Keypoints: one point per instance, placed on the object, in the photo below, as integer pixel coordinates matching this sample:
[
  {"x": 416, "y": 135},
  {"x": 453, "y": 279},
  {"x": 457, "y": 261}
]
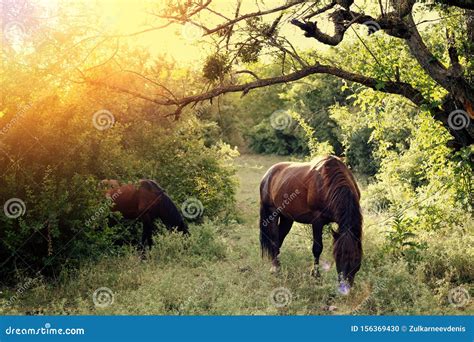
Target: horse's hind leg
[
  {"x": 284, "y": 227},
  {"x": 146, "y": 234},
  {"x": 317, "y": 246}
]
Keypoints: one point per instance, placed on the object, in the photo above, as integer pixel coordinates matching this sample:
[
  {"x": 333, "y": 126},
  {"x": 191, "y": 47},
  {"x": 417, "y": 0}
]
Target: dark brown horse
[
  {"x": 315, "y": 193},
  {"x": 145, "y": 202}
]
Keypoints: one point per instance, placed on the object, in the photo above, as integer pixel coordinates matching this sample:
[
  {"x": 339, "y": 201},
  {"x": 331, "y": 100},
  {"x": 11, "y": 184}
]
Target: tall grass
[{"x": 218, "y": 270}]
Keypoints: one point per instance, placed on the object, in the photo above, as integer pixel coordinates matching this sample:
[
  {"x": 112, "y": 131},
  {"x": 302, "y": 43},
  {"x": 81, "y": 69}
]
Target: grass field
[{"x": 219, "y": 271}]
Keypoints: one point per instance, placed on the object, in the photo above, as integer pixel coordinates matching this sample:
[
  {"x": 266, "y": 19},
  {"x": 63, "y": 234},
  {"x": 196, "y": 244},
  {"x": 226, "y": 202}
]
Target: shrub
[
  {"x": 263, "y": 138},
  {"x": 53, "y": 161}
]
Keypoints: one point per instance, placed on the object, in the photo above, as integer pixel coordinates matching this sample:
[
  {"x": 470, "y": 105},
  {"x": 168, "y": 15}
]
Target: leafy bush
[
  {"x": 402, "y": 239},
  {"x": 187, "y": 168},
  {"x": 360, "y": 152},
  {"x": 263, "y": 138},
  {"x": 50, "y": 164},
  {"x": 54, "y": 159}
]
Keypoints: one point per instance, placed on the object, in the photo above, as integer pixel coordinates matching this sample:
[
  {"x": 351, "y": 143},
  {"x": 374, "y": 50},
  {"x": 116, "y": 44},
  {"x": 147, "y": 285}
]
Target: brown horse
[
  {"x": 315, "y": 193},
  {"x": 145, "y": 202}
]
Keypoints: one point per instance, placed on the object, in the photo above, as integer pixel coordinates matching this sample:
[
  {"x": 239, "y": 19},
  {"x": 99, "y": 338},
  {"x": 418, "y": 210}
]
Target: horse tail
[{"x": 266, "y": 242}]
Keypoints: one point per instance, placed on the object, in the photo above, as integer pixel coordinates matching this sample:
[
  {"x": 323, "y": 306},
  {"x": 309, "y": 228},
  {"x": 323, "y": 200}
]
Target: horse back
[
  {"x": 286, "y": 188},
  {"x": 301, "y": 191}
]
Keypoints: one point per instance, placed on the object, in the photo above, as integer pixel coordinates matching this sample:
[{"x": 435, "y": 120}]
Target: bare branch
[
  {"x": 321, "y": 10},
  {"x": 254, "y": 14},
  {"x": 247, "y": 72}
]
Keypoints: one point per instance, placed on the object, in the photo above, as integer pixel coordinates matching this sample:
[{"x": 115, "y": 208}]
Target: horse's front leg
[{"x": 317, "y": 246}]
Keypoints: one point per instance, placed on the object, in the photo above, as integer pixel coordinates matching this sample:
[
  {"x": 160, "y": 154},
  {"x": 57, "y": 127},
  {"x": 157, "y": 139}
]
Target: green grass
[{"x": 219, "y": 271}]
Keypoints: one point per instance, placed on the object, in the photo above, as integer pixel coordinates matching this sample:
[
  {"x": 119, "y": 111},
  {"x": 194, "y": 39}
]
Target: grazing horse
[
  {"x": 316, "y": 193},
  {"x": 146, "y": 202}
]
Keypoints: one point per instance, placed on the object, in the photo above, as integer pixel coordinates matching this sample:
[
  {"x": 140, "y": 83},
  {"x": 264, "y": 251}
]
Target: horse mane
[
  {"x": 152, "y": 186},
  {"x": 169, "y": 213},
  {"x": 342, "y": 200}
]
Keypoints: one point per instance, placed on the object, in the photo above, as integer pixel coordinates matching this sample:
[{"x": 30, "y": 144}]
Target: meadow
[
  {"x": 219, "y": 271},
  {"x": 202, "y": 97}
]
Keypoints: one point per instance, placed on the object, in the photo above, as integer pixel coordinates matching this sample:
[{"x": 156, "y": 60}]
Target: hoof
[
  {"x": 329, "y": 308},
  {"x": 143, "y": 256},
  {"x": 274, "y": 269},
  {"x": 315, "y": 273}
]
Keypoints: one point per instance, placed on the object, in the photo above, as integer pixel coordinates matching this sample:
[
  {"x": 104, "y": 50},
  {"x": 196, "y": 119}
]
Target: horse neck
[{"x": 169, "y": 213}]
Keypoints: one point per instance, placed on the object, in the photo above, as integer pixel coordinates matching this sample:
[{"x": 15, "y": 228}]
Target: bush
[
  {"x": 263, "y": 138},
  {"x": 54, "y": 160},
  {"x": 187, "y": 168},
  {"x": 360, "y": 153}
]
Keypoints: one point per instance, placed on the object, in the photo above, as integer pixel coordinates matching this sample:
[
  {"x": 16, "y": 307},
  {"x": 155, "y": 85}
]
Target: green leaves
[{"x": 216, "y": 67}]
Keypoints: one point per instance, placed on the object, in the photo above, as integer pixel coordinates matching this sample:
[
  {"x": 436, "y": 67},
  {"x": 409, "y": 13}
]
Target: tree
[{"x": 240, "y": 39}]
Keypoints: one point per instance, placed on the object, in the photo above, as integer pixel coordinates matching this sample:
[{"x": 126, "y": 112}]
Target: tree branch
[
  {"x": 466, "y": 4},
  {"x": 253, "y": 14},
  {"x": 399, "y": 88}
]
